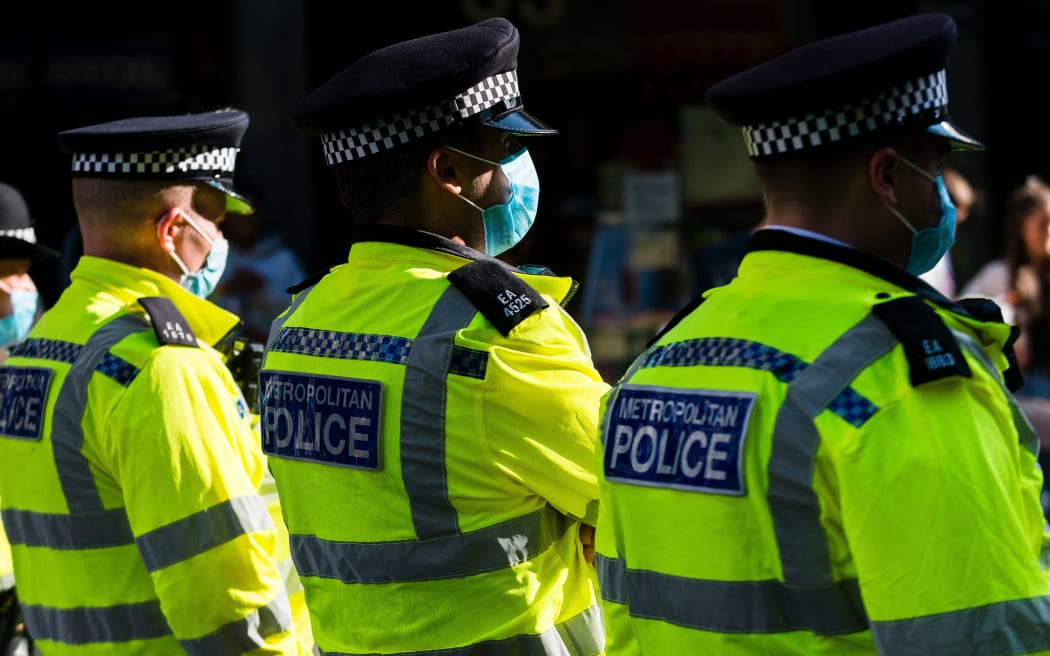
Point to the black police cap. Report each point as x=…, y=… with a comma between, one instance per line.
x=200, y=147
x=17, y=236
x=419, y=87
x=884, y=77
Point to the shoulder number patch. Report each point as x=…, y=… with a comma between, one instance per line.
x=168, y=323
x=505, y=299
x=322, y=419
x=689, y=440
x=930, y=347
x=23, y=399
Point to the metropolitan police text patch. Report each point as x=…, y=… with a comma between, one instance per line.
x=685, y=439
x=322, y=419
x=23, y=397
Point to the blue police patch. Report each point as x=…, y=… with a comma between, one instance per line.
x=683, y=439
x=322, y=419
x=23, y=399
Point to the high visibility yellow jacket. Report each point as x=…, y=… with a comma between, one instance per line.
x=822, y=458
x=130, y=475
x=434, y=451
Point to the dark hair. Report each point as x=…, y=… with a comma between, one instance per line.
x=371, y=186
x=1032, y=304
x=1033, y=194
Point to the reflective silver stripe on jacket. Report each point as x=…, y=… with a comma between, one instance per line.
x=81, y=626
x=1008, y=627
x=67, y=435
x=244, y=635
x=793, y=503
x=733, y=606
x=452, y=556
x=144, y=621
x=90, y=526
x=582, y=635
x=423, y=416
x=190, y=536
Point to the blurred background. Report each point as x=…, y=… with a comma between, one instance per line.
x=641, y=179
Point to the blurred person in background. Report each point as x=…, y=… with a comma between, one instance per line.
x=259, y=269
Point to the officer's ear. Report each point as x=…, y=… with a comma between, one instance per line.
x=882, y=175
x=166, y=229
x=444, y=166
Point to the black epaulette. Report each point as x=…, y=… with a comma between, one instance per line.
x=168, y=323
x=932, y=351
x=503, y=298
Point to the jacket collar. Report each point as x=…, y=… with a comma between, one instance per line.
x=783, y=240
x=209, y=322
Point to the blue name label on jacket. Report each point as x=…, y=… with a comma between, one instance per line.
x=23, y=400
x=684, y=439
x=333, y=421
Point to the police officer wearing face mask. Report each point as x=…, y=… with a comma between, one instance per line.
x=834, y=443
x=430, y=411
x=129, y=467
x=19, y=306
x=19, y=299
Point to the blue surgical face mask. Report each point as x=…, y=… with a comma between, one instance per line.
x=15, y=326
x=203, y=282
x=929, y=245
x=507, y=223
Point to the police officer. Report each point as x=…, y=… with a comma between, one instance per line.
x=823, y=456
x=129, y=472
x=19, y=249
x=19, y=307
x=430, y=412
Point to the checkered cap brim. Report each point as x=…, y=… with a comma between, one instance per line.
x=925, y=95
x=387, y=132
x=189, y=161
x=25, y=234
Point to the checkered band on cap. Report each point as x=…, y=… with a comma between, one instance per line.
x=387, y=132
x=927, y=94
x=25, y=234
x=188, y=161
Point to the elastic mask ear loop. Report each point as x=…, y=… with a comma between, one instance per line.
x=917, y=169
x=900, y=216
x=6, y=289
x=196, y=228
x=480, y=159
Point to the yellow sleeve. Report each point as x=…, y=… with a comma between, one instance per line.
x=940, y=509
x=190, y=467
x=541, y=418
